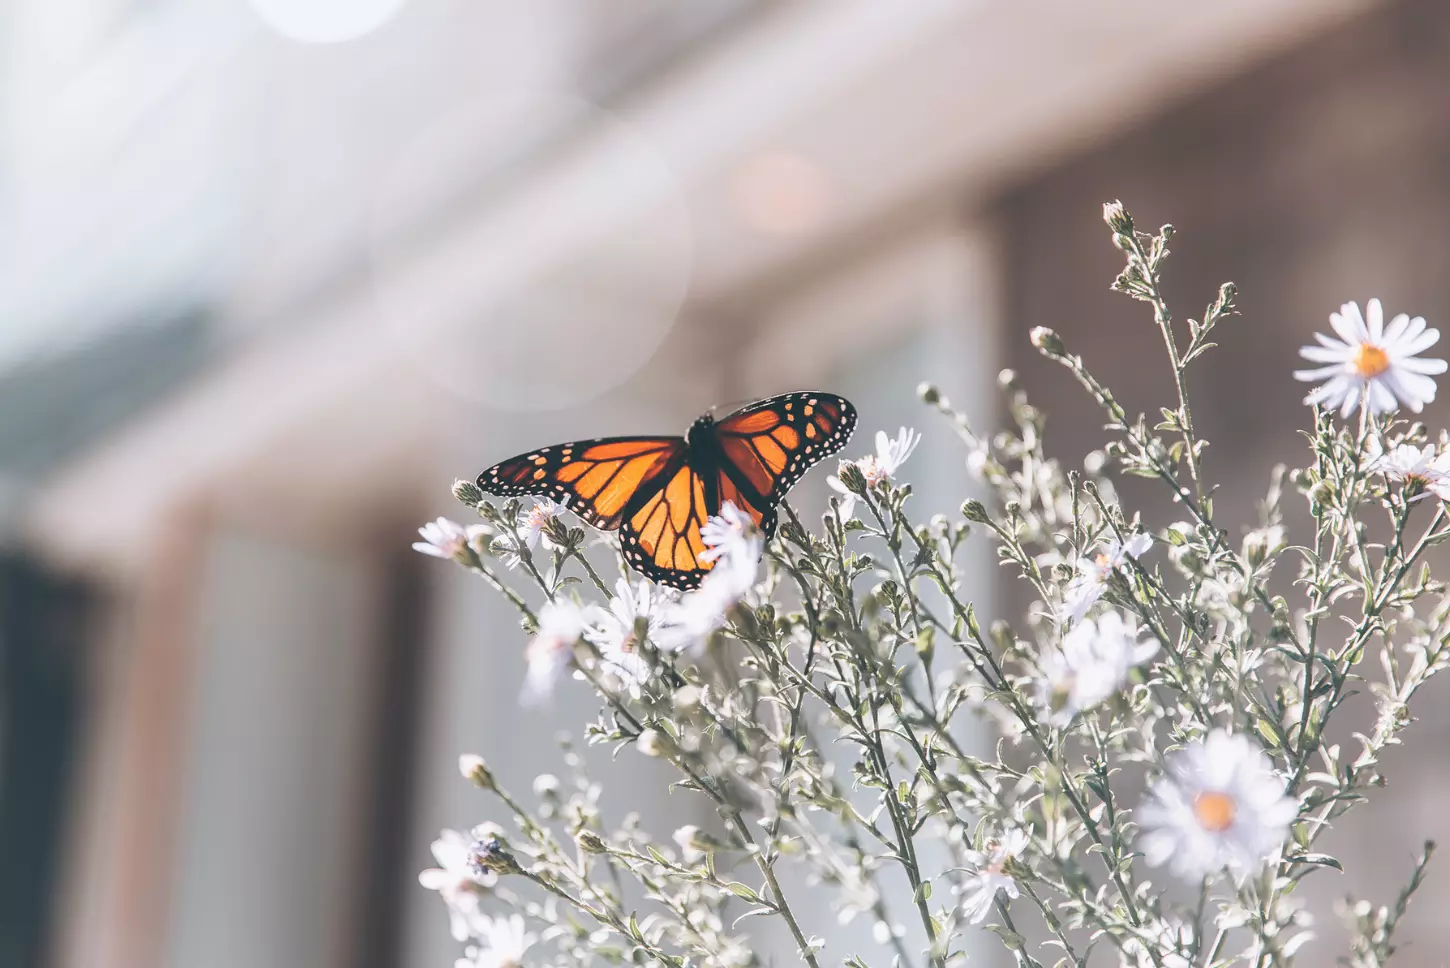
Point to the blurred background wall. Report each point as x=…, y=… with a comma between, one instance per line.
x=273, y=274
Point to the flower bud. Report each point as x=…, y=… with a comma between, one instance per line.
x=1322, y=492
x=974, y=510
x=652, y=742
x=929, y=393
x=851, y=477
x=1047, y=341
x=1226, y=294
x=1117, y=218
x=695, y=843
x=467, y=492
x=476, y=771
x=546, y=786
x=1262, y=543
x=590, y=842
x=557, y=532
x=491, y=857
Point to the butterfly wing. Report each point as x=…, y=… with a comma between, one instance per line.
x=661, y=531
x=597, y=479
x=768, y=446
x=659, y=492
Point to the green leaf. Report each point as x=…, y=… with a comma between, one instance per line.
x=1269, y=732
x=743, y=890
x=1318, y=860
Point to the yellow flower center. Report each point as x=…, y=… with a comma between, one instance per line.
x=1369, y=361
x=1215, y=811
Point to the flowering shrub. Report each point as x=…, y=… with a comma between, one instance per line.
x=1164, y=769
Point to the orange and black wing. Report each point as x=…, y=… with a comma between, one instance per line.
x=661, y=532
x=596, y=479
x=769, y=445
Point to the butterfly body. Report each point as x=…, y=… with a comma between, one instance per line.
x=659, y=491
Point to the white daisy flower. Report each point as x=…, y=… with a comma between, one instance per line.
x=533, y=520
x=736, y=548
x=1092, y=664
x=1372, y=366
x=505, y=941
x=891, y=453
x=1221, y=805
x=446, y=539
x=1095, y=571
x=457, y=884
x=634, y=614
x=532, y=530
x=1420, y=469
x=979, y=892
x=728, y=533
x=561, y=624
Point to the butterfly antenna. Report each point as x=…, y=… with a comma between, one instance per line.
x=730, y=406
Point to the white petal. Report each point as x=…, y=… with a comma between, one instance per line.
x=1349, y=324
x=1410, y=387
x=1321, y=373
x=1397, y=328
x=1417, y=345
x=1428, y=367
x=1376, y=315
x=1381, y=400
x=1325, y=354
x=1331, y=393
x=1414, y=329
x=1138, y=544
x=1351, y=398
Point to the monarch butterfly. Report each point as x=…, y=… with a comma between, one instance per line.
x=659, y=491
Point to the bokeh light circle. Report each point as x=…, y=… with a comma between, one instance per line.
x=325, y=21
x=529, y=251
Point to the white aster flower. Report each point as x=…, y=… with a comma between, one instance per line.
x=1221, y=805
x=1420, y=469
x=532, y=521
x=1092, y=664
x=561, y=624
x=981, y=886
x=689, y=623
x=891, y=453
x=1372, y=366
x=619, y=633
x=457, y=884
x=736, y=547
x=1095, y=571
x=505, y=941
x=532, y=527
x=728, y=534
x=446, y=539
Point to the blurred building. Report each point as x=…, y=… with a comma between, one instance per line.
x=262, y=299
